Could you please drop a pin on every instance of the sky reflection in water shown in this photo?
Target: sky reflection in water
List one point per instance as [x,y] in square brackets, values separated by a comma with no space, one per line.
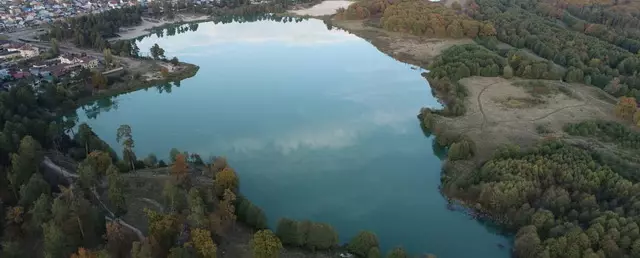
[319,125]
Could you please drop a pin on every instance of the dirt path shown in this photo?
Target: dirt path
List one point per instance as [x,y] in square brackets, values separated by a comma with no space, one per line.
[484,116]
[490,121]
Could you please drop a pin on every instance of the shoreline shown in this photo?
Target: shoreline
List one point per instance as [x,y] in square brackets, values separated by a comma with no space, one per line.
[189,71]
[324,8]
[146,27]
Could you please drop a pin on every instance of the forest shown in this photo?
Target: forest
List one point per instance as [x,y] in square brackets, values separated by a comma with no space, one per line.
[561,201]
[92,31]
[604,61]
[572,198]
[432,19]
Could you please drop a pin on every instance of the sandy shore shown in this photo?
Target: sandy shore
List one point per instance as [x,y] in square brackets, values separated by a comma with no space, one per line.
[146,25]
[325,8]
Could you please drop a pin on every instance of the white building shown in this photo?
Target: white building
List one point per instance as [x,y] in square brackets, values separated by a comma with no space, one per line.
[69,59]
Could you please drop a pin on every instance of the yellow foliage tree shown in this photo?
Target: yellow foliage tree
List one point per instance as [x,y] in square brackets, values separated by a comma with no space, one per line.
[83,253]
[180,169]
[626,108]
[226,208]
[226,179]
[163,230]
[636,118]
[202,242]
[98,80]
[100,161]
[265,244]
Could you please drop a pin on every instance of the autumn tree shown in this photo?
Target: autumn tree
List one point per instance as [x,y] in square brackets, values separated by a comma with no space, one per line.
[203,244]
[226,179]
[141,249]
[180,171]
[265,244]
[163,230]
[116,190]
[87,176]
[108,57]
[123,136]
[626,108]
[636,118]
[98,80]
[218,164]
[117,244]
[100,161]
[14,217]
[197,216]
[362,243]
[82,253]
[226,208]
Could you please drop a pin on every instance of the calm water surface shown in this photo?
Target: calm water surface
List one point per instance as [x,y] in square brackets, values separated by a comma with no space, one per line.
[319,125]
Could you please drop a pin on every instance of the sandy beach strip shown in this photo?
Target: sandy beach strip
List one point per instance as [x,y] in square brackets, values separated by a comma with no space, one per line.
[146,25]
[328,7]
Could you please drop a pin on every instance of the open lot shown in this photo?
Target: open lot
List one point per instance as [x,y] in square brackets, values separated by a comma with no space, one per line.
[503,111]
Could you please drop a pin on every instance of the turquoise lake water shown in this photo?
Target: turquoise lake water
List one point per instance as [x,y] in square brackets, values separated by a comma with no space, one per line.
[318,124]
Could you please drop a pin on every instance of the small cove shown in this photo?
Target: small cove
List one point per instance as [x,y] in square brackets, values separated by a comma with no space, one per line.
[318,124]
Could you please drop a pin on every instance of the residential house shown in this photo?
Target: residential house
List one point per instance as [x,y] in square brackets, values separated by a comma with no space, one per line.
[57,70]
[69,59]
[20,75]
[37,71]
[89,62]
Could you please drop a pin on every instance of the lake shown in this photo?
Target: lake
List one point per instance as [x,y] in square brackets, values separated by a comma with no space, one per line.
[318,124]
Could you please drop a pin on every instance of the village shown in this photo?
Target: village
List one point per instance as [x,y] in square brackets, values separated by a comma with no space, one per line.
[16,15]
[22,61]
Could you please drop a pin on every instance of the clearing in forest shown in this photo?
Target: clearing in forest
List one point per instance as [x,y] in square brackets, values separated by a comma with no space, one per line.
[521,112]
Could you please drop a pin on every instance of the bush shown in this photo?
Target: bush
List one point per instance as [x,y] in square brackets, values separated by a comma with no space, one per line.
[256,217]
[321,236]
[397,252]
[288,231]
[374,252]
[362,243]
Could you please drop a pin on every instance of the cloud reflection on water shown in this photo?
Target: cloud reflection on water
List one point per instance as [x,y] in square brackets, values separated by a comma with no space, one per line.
[289,34]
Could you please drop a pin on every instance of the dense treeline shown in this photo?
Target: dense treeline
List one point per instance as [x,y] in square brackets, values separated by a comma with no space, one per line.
[432,19]
[563,202]
[607,131]
[606,15]
[458,62]
[91,31]
[596,61]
